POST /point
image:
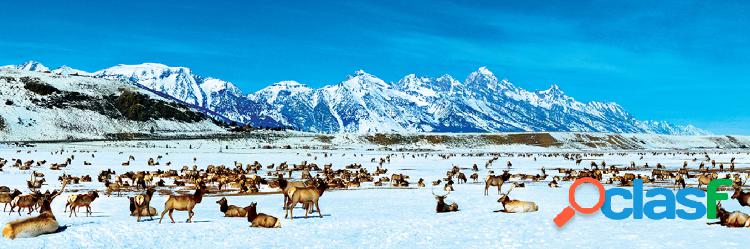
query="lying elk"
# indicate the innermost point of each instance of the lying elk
(143, 202)
(150, 211)
(183, 203)
(231, 210)
(733, 219)
(260, 219)
(443, 207)
(307, 196)
(82, 200)
(498, 181)
(516, 206)
(31, 227)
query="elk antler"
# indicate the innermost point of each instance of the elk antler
(433, 193)
(511, 189)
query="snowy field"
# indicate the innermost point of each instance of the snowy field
(365, 217)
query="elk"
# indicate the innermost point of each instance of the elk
(25, 201)
(183, 203)
(31, 227)
(705, 179)
(516, 206)
(309, 196)
(498, 181)
(742, 197)
(420, 183)
(260, 219)
(443, 207)
(150, 211)
(143, 201)
(461, 177)
(231, 210)
(82, 200)
(7, 197)
(286, 187)
(733, 219)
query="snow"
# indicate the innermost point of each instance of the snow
(368, 217)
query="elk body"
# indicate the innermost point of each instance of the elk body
(443, 207)
(261, 220)
(231, 210)
(150, 211)
(307, 196)
(733, 219)
(498, 181)
(27, 201)
(82, 200)
(742, 197)
(183, 203)
(45, 223)
(7, 197)
(516, 206)
(142, 202)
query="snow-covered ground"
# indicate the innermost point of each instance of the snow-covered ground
(366, 217)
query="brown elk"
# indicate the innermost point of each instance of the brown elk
(733, 219)
(742, 197)
(516, 206)
(28, 201)
(83, 200)
(443, 207)
(183, 203)
(230, 210)
(7, 197)
(705, 179)
(260, 219)
(286, 187)
(461, 178)
(309, 196)
(143, 201)
(150, 211)
(498, 181)
(31, 227)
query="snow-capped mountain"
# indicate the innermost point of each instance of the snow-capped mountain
(66, 70)
(32, 66)
(363, 102)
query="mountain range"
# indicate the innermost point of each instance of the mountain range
(363, 103)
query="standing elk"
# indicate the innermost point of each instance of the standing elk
(27, 201)
(260, 219)
(231, 210)
(45, 223)
(183, 203)
(309, 196)
(705, 179)
(516, 206)
(7, 197)
(443, 207)
(461, 178)
(498, 181)
(83, 200)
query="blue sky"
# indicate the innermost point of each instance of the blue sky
(682, 61)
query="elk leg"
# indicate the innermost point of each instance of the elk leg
(162, 214)
(88, 210)
(170, 215)
(307, 209)
(317, 206)
(190, 216)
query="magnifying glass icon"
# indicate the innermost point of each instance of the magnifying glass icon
(570, 211)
